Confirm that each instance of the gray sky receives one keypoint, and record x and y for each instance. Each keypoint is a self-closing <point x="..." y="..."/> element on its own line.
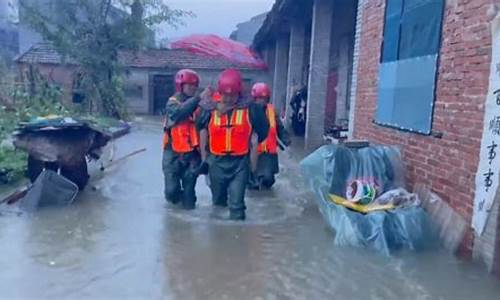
<point x="215" y="16"/>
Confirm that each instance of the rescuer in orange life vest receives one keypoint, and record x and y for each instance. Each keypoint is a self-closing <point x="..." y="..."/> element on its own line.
<point x="181" y="156"/>
<point x="267" y="162"/>
<point x="228" y="130"/>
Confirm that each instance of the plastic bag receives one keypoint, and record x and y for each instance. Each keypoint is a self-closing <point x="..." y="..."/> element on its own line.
<point x="217" y="46"/>
<point x="378" y="166"/>
<point x="381" y="231"/>
<point x="399" y="197"/>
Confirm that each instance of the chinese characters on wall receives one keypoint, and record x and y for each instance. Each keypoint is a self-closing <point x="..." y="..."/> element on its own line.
<point x="487" y="176"/>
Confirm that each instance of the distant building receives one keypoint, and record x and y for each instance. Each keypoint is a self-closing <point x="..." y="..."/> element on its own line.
<point x="150" y="73"/>
<point x="246" y="31"/>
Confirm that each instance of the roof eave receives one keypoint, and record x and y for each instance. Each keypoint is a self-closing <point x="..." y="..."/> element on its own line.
<point x="276" y="20"/>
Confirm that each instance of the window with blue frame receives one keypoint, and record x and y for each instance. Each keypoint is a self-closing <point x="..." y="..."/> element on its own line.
<point x="409" y="63"/>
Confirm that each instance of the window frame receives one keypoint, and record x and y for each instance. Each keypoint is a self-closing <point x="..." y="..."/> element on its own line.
<point x="430" y="132"/>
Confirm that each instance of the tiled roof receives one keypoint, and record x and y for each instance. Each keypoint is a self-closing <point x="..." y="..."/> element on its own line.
<point x="152" y="58"/>
<point x="41" y="54"/>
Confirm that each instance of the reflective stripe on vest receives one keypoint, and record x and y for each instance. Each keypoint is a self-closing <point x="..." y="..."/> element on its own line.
<point x="270" y="144"/>
<point x="230" y="135"/>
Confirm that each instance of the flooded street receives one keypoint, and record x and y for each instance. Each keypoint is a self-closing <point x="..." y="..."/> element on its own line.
<point x="120" y="240"/>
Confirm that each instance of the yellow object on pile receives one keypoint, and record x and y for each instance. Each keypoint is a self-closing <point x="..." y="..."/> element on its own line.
<point x="359" y="207"/>
<point x="47" y="117"/>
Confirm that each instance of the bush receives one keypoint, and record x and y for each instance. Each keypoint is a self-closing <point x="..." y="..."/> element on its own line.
<point x="13" y="165"/>
<point x="8" y="122"/>
<point x="31" y="99"/>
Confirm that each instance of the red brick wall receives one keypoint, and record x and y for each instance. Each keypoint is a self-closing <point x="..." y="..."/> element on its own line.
<point x="448" y="164"/>
<point x="58" y="74"/>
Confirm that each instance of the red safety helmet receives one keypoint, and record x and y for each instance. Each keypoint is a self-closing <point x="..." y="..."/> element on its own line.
<point x="261" y="90"/>
<point x="186" y="76"/>
<point x="230" y="82"/>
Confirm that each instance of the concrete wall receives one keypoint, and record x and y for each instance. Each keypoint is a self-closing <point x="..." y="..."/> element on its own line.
<point x="343" y="26"/>
<point x="319" y="69"/>
<point x="144" y="78"/>
<point x="296" y="62"/>
<point x="446" y="164"/>
<point x="137" y="89"/>
<point x="138" y="83"/>
<point x="307" y="56"/>
<point x="280" y="73"/>
<point x="270" y="57"/>
<point x="343" y="30"/>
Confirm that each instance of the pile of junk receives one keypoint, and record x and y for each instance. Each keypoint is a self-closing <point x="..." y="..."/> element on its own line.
<point x="58" y="151"/>
<point x="360" y="190"/>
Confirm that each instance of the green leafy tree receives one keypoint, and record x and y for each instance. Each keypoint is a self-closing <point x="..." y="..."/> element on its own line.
<point x="86" y="32"/>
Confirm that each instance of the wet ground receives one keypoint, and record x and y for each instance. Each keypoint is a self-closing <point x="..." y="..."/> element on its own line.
<point x="120" y="240"/>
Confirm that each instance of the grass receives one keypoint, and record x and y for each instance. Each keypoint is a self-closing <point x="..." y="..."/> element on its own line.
<point x="13" y="165"/>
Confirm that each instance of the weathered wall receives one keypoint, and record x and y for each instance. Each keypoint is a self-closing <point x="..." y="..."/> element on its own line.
<point x="136" y="88"/>
<point x="138" y="85"/>
<point x="62" y="76"/>
<point x="343" y="29"/>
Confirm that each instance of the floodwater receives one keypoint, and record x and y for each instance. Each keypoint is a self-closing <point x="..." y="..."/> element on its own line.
<point x="120" y="240"/>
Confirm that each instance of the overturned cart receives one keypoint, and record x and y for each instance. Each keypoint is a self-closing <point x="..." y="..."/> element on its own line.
<point x="62" y="145"/>
<point x="360" y="191"/>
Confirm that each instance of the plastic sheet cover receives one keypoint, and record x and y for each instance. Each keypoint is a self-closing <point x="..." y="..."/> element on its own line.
<point x="392" y="28"/>
<point x="382" y="231"/>
<point x="406" y="93"/>
<point x="420" y="28"/>
<point x="217" y="46"/>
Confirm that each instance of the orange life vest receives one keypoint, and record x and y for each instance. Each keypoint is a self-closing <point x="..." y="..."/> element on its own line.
<point x="230" y="135"/>
<point x="270" y="144"/>
<point x="183" y="136"/>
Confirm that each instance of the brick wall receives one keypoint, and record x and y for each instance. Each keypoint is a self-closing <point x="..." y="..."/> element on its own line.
<point x="447" y="164"/>
<point x="56" y="74"/>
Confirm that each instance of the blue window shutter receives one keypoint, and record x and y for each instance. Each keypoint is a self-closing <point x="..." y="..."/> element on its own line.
<point x="408" y="71"/>
<point x="420" y="28"/>
<point x="392" y="27"/>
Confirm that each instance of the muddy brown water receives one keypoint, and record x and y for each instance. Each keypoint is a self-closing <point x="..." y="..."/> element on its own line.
<point x="122" y="241"/>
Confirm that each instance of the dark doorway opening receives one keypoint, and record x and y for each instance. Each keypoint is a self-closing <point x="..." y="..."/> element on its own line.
<point x="163" y="88"/>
